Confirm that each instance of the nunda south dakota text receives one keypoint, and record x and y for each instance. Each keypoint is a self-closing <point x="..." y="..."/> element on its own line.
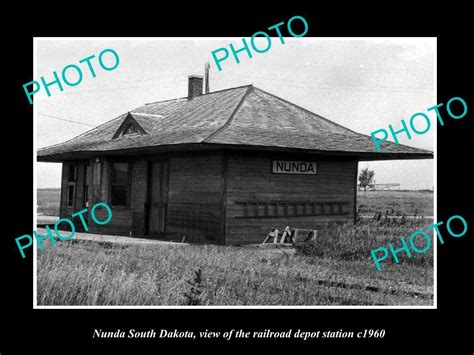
<point x="151" y="333"/>
<point x="239" y="334"/>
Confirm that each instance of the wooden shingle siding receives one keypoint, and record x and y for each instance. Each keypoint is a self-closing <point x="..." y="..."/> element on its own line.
<point x="249" y="178"/>
<point x="194" y="197"/>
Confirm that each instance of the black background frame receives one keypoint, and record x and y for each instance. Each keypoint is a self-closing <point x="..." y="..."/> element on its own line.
<point x="407" y="330"/>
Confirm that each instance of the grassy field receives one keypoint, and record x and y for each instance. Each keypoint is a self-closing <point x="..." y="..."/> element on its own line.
<point x="48" y="201"/>
<point x="336" y="271"/>
<point x="401" y="202"/>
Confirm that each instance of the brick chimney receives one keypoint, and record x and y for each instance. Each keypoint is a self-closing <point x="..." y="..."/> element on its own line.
<point x="194" y="86"/>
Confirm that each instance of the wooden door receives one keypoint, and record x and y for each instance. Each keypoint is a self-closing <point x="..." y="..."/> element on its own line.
<point x="158" y="197"/>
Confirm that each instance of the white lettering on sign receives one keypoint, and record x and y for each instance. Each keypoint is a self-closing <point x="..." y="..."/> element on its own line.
<point x="294" y="167"/>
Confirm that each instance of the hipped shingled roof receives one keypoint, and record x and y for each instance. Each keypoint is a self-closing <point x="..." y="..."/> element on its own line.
<point x="243" y="118"/>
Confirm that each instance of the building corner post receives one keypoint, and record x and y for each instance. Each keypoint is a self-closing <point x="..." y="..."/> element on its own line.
<point x="355" y="190"/>
<point x="224" y="197"/>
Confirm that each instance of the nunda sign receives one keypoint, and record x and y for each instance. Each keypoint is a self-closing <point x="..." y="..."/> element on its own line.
<point x="294" y="167"/>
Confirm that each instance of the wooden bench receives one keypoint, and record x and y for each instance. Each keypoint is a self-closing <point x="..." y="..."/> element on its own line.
<point x="307" y="235"/>
<point x="290" y="236"/>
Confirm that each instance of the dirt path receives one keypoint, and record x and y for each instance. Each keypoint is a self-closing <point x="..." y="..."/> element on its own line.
<point x="103" y="238"/>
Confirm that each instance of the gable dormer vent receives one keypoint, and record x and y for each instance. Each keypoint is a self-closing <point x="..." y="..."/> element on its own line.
<point x="129" y="126"/>
<point x="130" y="129"/>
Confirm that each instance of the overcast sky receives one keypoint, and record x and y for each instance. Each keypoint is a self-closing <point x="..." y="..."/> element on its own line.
<point x="362" y="84"/>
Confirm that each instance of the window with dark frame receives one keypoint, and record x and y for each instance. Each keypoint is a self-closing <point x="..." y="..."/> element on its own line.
<point x="70" y="194"/>
<point x="120" y="184"/>
<point x="72" y="173"/>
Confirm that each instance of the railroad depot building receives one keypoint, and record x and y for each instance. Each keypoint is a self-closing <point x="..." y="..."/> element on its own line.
<point x="222" y="167"/>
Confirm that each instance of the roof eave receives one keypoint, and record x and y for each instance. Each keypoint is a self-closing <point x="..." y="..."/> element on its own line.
<point x="361" y="156"/>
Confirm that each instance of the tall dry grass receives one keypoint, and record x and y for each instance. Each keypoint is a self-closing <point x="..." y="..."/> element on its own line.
<point x="351" y="242"/>
<point x="335" y="273"/>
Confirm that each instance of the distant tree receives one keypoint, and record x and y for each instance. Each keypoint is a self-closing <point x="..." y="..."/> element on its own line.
<point x="366" y="178"/>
